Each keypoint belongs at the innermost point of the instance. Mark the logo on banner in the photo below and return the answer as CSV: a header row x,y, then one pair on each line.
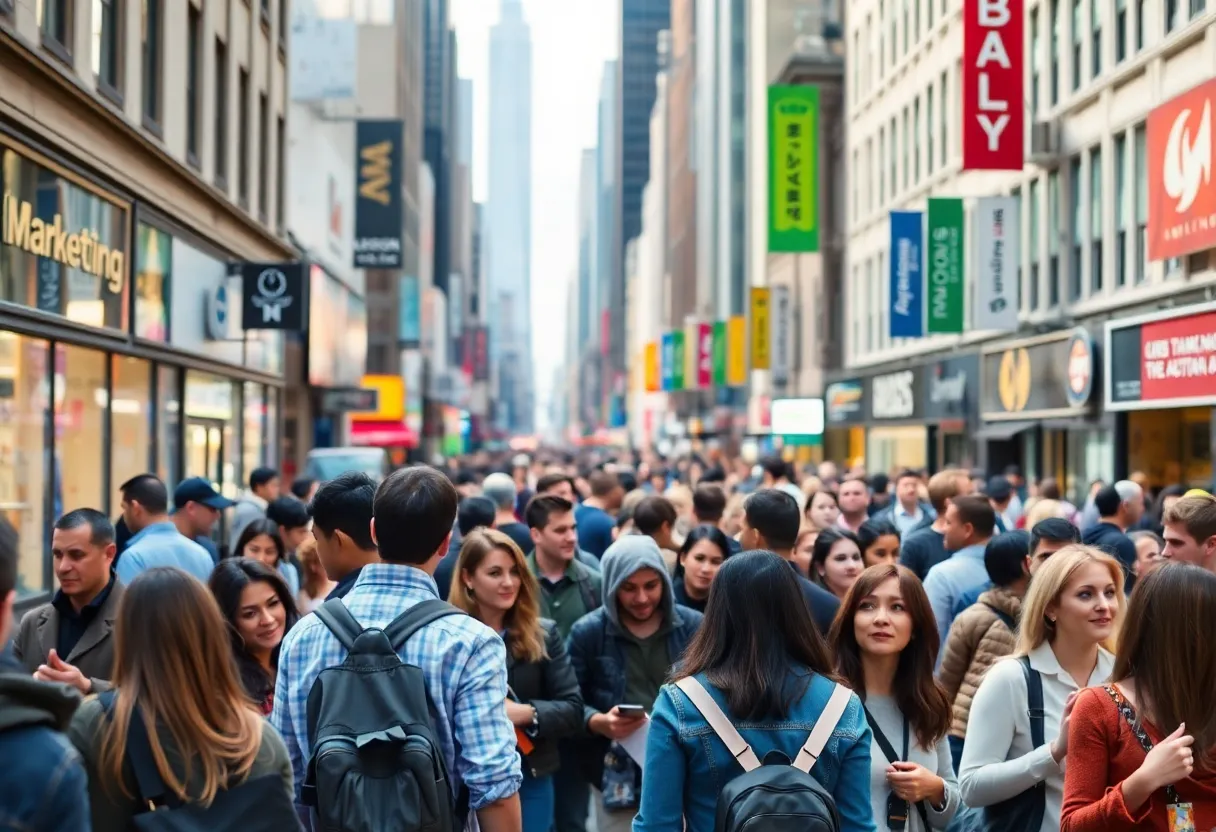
x,y
993,85
1013,383
1080,368
891,396
1188,158
907,278
271,295
274,296
997,255
1180,190
948,390
945,265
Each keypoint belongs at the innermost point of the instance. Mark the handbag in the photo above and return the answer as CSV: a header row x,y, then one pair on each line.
x,y
889,751
1024,812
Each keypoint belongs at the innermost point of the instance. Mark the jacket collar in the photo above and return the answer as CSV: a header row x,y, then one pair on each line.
x,y
575,571
1043,659
97,632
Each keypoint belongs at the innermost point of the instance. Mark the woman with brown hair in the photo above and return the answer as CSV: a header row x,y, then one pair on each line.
x,y
492,583
886,646
1144,747
178,702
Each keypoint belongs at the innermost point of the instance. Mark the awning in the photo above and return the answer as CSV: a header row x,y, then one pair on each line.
x,y
1000,431
383,435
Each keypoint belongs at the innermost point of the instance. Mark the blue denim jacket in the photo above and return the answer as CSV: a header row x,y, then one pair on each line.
x,y
696,765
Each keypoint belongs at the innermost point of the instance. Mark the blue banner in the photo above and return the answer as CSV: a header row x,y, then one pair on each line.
x,y
409,312
667,360
907,274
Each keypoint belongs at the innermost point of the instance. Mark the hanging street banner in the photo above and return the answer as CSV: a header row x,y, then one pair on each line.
x,y
907,274
945,264
793,169
651,371
997,263
736,351
379,205
679,360
667,360
760,328
719,353
782,330
705,356
993,86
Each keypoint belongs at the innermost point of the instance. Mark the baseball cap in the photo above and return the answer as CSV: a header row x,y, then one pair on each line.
x,y
200,490
999,489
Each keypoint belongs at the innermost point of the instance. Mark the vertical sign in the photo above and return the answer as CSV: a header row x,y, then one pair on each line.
x,y
379,217
907,275
651,370
481,353
679,360
760,328
409,312
705,355
993,99
719,353
997,263
667,361
945,265
779,351
736,351
793,168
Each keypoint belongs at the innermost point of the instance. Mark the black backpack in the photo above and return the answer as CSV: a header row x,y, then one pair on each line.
x,y
376,763
776,795
257,804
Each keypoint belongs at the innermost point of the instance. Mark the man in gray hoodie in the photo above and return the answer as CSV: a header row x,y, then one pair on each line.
x,y
622,654
264,487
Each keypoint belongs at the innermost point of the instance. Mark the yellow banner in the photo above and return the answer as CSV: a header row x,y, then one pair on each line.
x,y
736,351
651,366
760,328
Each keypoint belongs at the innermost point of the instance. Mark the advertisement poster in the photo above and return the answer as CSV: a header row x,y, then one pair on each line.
x,y
651,369
782,329
379,209
907,274
997,263
705,355
945,265
667,360
1162,363
793,168
993,86
679,360
1181,194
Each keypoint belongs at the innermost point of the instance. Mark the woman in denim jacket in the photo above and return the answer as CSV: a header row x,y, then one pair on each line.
x,y
760,657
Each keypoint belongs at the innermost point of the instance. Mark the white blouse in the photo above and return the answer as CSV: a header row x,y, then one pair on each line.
x,y
998,759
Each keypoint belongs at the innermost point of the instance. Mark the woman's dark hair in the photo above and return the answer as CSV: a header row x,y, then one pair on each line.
x,y
827,492
824,542
920,698
257,528
869,532
757,627
702,532
1157,512
228,581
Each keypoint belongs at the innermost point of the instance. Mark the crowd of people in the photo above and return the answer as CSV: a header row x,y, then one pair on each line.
x,y
559,644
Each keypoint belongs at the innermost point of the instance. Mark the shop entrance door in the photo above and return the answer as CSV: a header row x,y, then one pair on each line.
x,y
204,457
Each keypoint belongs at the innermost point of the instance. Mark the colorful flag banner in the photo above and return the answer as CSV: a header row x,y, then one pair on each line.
x,y
907,274
667,360
719,353
761,336
705,355
793,168
679,361
736,351
997,263
651,369
945,265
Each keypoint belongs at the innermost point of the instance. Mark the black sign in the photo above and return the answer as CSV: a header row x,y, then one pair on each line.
x,y
1038,378
843,402
952,387
896,395
379,217
351,400
275,296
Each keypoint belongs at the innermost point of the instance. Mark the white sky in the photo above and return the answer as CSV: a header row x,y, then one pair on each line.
x,y
571,39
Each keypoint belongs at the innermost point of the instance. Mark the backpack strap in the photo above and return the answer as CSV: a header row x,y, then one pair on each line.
x,y
339,621
822,732
1034,702
415,618
1005,617
721,724
152,788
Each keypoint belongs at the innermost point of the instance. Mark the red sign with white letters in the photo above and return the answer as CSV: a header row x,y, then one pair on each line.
x,y
1178,358
994,103
1181,194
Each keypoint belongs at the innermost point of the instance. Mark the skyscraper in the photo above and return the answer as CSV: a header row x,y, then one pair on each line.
x,y
509,217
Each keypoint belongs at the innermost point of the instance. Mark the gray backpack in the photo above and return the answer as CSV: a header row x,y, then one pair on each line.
x,y
376,763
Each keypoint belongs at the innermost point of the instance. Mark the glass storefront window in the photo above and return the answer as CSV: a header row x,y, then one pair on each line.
x,y
154,257
24,413
168,426
252,428
208,446
890,450
63,247
80,403
130,420
1171,446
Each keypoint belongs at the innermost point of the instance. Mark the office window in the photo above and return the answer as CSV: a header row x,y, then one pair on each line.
x,y
1095,220
1173,15
263,157
1077,227
916,141
107,44
1036,61
857,67
194,73
280,183
905,138
1140,182
929,13
221,114
1036,210
871,329
1095,49
1120,31
1121,209
152,34
882,154
80,400
242,138
854,173
168,408
892,43
130,420
930,160
892,155
1197,7
1053,10
944,110
870,177
1140,21
55,22
907,26
882,45
1077,37
1053,239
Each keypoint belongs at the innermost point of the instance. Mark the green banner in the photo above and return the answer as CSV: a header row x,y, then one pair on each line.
x,y
793,169
678,360
719,353
945,266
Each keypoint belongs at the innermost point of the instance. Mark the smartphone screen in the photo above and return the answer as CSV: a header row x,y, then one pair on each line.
x,y
631,710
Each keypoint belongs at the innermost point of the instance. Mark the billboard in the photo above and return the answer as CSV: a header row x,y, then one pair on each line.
x,y
793,168
323,55
1178,154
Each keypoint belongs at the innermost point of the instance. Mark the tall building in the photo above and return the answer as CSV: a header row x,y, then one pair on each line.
x,y
509,217
439,107
606,256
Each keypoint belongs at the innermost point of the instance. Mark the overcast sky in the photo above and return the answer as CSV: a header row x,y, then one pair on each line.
x,y
571,39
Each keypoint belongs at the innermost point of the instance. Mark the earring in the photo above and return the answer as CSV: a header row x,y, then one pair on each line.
x,y
469,588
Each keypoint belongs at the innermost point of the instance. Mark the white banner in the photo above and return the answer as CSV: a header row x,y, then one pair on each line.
x,y
323,54
998,263
781,332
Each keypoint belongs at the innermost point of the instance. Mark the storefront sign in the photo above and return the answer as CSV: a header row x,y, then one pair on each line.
x,y
761,336
997,261
782,330
390,399
350,401
1161,362
895,395
1181,194
793,168
26,230
945,266
993,98
275,296
843,402
1038,377
379,220
951,387
907,275
481,353
679,360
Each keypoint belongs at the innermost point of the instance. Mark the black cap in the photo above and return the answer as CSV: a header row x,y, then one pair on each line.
x,y
999,489
200,490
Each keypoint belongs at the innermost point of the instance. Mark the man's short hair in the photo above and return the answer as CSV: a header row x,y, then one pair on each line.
x,y
905,474
1053,530
8,558
603,483
414,511
500,488
775,467
550,481
300,486
627,480
344,504
475,513
775,515
542,507
708,502
977,512
101,530
148,491
652,513
943,487
287,512
1005,557
1195,513
1107,501
260,476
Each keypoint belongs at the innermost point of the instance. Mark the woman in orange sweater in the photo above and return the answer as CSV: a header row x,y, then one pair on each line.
x,y
1142,751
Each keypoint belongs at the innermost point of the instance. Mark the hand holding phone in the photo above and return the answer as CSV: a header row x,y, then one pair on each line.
x,y
632,711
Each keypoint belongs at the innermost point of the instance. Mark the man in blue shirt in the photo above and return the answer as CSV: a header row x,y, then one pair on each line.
x,y
196,510
155,540
969,524
594,516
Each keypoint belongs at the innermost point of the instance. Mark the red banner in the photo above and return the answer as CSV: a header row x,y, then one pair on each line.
x,y
994,103
1181,194
1178,358
705,355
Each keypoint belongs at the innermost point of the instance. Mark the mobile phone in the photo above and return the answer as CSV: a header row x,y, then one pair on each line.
x,y
631,710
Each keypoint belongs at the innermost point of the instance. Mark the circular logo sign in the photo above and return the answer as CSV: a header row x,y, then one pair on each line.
x,y
272,283
1080,378
1013,383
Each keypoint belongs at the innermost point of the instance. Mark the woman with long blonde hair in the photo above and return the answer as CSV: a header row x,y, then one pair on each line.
x,y
492,583
175,681
1013,764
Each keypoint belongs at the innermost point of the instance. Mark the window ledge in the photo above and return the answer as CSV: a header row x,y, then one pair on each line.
x,y
61,52
110,94
193,161
150,124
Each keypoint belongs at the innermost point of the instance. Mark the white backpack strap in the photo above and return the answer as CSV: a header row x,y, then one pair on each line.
x,y
721,724
822,732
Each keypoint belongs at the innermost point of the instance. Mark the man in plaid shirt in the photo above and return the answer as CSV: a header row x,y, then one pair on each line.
x,y
464,661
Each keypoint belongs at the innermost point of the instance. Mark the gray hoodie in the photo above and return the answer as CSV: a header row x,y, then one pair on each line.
x,y
624,559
